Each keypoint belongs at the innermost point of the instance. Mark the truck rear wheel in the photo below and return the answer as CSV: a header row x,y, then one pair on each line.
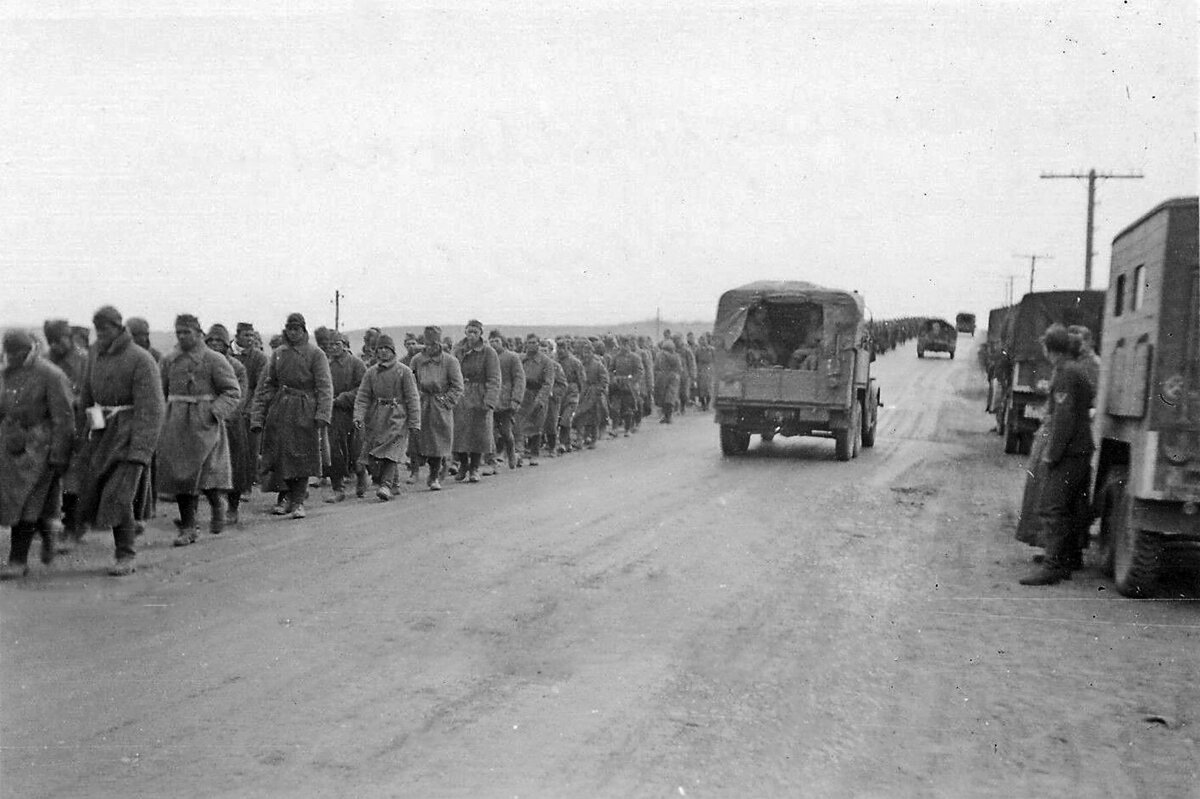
x,y
846,440
1135,555
868,433
733,441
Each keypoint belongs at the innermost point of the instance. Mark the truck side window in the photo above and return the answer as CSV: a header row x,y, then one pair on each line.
x,y
1139,288
1119,296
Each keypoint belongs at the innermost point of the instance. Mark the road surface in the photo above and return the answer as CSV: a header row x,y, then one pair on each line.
x,y
648,619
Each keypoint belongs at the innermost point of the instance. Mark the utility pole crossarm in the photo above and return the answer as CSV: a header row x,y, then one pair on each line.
x,y
1091,176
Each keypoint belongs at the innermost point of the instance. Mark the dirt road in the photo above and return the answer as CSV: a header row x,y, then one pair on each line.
x,y
649,619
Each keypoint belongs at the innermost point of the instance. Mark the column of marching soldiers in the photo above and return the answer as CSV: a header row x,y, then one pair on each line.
x,y
93,433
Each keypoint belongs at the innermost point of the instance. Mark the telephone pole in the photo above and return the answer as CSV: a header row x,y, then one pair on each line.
x,y
1092,175
337,311
1033,259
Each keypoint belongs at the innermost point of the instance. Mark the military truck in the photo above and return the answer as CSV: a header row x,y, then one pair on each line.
x,y
936,335
964,322
794,359
1147,489
1027,384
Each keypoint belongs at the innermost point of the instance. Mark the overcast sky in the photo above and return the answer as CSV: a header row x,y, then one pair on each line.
x,y
589,162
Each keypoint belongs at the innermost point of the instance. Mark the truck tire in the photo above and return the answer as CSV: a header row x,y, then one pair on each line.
x,y
846,440
733,441
1012,438
952,355
1135,554
868,433
920,352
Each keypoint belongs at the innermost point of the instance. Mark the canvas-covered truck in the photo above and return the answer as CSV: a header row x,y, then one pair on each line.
x,y
1147,490
1027,384
936,335
794,359
964,322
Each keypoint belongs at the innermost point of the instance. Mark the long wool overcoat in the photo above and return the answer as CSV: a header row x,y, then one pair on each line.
x,y
512,381
243,462
202,391
37,429
124,380
473,430
705,356
389,406
294,393
668,372
539,385
592,399
574,375
440,381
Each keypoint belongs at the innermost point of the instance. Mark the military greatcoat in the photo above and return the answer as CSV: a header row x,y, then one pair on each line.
x,y
294,392
389,406
37,430
202,391
440,381
480,367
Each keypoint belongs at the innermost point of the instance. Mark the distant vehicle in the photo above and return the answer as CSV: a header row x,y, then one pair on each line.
x,y
1148,413
964,322
1026,386
794,359
936,335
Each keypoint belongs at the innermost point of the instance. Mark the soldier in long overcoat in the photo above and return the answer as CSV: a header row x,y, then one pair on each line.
x,y
627,374
202,391
440,381
576,380
668,371
37,429
705,357
293,402
512,391
646,352
550,426
387,408
590,416
473,431
345,444
539,385
72,359
243,461
123,399
687,374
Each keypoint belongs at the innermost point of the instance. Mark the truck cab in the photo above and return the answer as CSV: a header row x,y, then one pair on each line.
x,y
794,359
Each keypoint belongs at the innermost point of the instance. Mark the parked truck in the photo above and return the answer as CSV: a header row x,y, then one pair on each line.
x,y
1147,489
1026,386
794,359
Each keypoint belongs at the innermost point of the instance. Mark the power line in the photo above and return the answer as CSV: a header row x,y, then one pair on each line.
x,y
1092,175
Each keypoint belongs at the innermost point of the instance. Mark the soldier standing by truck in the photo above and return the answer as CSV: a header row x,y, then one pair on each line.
x,y
1067,457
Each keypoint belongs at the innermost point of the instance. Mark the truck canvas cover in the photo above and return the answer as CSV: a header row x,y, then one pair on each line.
x,y
844,310
1039,310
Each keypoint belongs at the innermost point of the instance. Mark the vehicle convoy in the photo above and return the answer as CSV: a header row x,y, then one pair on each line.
x,y
794,359
936,335
1148,412
964,322
1026,379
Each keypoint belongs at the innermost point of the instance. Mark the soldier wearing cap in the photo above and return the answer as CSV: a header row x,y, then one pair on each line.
x,y
539,385
387,409
576,379
512,391
554,408
139,328
627,374
37,431
345,444
592,412
243,460
473,431
293,403
440,382
72,360
668,371
123,398
1066,454
202,391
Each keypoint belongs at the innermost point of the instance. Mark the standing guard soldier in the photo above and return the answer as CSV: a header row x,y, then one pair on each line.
x,y
1067,456
512,391
539,385
123,399
37,431
706,355
202,391
668,371
346,371
293,403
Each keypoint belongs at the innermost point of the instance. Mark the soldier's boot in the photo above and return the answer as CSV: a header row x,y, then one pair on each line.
x,y
231,515
360,483
46,530
216,505
21,538
186,523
